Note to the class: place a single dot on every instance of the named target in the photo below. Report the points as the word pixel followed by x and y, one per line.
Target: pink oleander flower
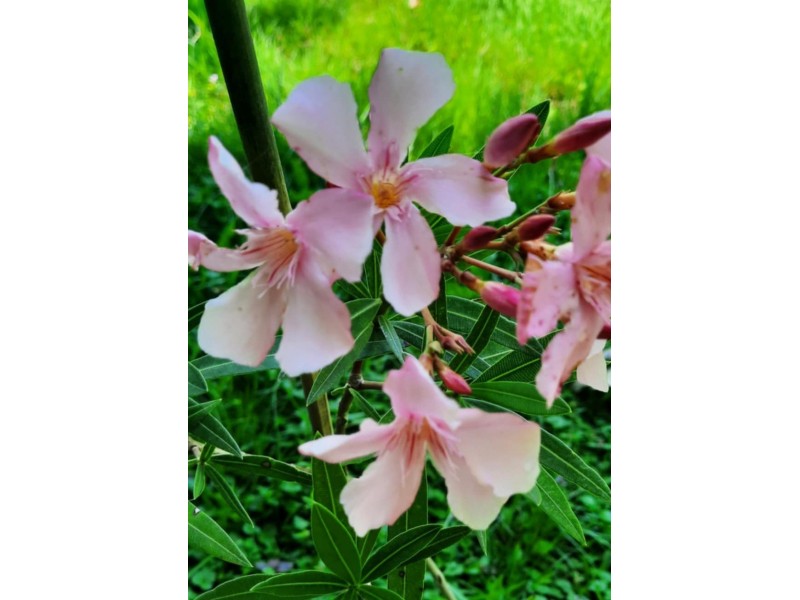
pixel 574 287
pixel 319 120
pixel 484 457
pixel 296 258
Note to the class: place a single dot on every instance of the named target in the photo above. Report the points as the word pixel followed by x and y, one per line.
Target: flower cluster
pixel 295 259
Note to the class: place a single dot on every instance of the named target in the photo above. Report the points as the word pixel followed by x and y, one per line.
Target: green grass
pixel 506 55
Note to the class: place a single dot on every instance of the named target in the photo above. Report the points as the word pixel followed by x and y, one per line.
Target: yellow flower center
pixel 385 194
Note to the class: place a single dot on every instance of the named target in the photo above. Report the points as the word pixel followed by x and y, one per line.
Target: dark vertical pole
pixel 231 30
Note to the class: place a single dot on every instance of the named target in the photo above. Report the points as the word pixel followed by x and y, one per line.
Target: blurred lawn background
pixel 506 56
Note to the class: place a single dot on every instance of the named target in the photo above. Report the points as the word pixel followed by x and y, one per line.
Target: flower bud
pixel 453 381
pixel 503 298
pixel 535 227
pixel 511 139
pixel 583 133
pixel 605 333
pixel 477 238
pixel 561 201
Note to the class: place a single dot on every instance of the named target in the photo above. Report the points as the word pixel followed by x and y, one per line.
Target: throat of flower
pixel 279 250
pixel 385 194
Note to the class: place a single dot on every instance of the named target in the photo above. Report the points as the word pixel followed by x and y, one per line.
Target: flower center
pixel 278 247
pixel 385 194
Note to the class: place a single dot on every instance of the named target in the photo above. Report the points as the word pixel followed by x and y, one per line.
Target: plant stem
pixel 441 581
pixel 505 273
pixel 237 56
pixel 318 411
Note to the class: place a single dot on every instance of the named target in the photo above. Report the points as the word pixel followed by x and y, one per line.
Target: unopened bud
pixel 511 139
pixel 535 227
pixel 561 201
pixel 605 333
pixel 453 381
pixel 477 238
pixel 583 133
pixel 503 298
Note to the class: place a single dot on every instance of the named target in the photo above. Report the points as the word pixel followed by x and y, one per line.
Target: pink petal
pixel 547 294
pixel 501 450
pixel 594 280
pixel 370 439
pixel 319 120
pixel 411 265
pixel 413 393
pixel 337 223
pixel 472 502
pixel 406 90
pixel 601 149
pixel 253 202
pixel 316 326
pixel 593 371
pixel 385 491
pixel 202 251
pixel 240 325
pixel 567 350
pixel 591 215
pixel 458 188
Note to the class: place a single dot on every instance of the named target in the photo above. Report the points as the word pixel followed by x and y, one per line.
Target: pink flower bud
pixel 503 298
pixel 479 237
pixel 605 333
pixel 453 381
pixel 511 139
pixel 535 227
pixel 583 133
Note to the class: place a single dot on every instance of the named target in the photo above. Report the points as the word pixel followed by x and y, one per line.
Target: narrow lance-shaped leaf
pixel 206 535
pixel 300 584
pixel 235 588
pixel 199 481
pixel 262 466
pixel 202 408
pixel 521 398
pixel 555 505
pixel 365 406
pixel 197 384
pixel 209 429
pixel 408 581
pixel 329 479
pixel 391 336
pixel 213 368
pixel 559 458
pixel 370 592
pixel 399 551
pixel 478 337
pixel 363 317
pixel 439 145
pixel 334 544
pixel 439 307
pixel 444 539
pixel 228 493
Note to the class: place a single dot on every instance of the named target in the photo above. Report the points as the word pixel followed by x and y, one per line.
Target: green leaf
pixel 478 337
pixel 555 505
pixel 365 406
pixel 399 551
pixel 391 336
pixel 209 429
pixel 363 313
pixel 301 584
pixel 559 458
pixel 408 581
pixel 195 313
pixel 202 408
pixel 206 535
pixel 262 466
pixel 199 481
pixel 445 538
pixel 197 383
pixel 439 145
pixel 439 306
pixel 483 540
pixel 329 479
pixel 521 398
pixel 228 493
pixel 413 333
pixel 334 544
pixel 367 543
pixel 541 110
pixel 370 592
pixel 372 271
pixel 214 368
pixel 235 588
pixel 517 365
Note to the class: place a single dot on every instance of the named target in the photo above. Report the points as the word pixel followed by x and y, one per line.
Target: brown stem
pixel 318 411
pixel 441 581
pixel 505 273
pixel 452 237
